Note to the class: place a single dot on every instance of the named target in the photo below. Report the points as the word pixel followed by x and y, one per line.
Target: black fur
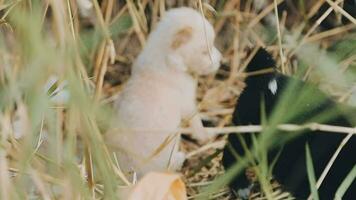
pixel 290 169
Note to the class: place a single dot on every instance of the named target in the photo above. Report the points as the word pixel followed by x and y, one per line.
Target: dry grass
pixel 61 154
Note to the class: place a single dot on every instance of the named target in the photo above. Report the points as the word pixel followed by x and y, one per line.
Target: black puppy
pixel 273 94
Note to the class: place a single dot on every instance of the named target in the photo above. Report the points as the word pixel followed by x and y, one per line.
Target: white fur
pixel 273 86
pixel 161 92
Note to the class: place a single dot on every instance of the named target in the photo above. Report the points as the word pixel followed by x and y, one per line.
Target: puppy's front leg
pixel 199 132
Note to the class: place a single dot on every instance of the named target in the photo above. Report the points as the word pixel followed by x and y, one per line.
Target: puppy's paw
pixel 177 161
pixel 201 134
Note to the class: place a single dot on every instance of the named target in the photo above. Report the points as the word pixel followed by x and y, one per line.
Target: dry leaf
pixel 159 186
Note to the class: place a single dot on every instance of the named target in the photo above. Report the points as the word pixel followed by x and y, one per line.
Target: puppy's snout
pixel 216 59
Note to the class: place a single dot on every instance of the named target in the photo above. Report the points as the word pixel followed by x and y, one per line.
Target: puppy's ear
pixel 182 36
pixel 176 61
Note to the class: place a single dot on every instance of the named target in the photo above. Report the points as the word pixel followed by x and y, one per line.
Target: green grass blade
pixel 346 184
pixel 311 174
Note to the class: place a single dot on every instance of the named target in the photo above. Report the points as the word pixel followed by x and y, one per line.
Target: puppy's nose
pixel 216 58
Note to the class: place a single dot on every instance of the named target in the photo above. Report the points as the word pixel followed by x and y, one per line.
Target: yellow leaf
pixel 159 186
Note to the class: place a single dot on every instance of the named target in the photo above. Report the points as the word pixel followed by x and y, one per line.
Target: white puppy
pixel 162 91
